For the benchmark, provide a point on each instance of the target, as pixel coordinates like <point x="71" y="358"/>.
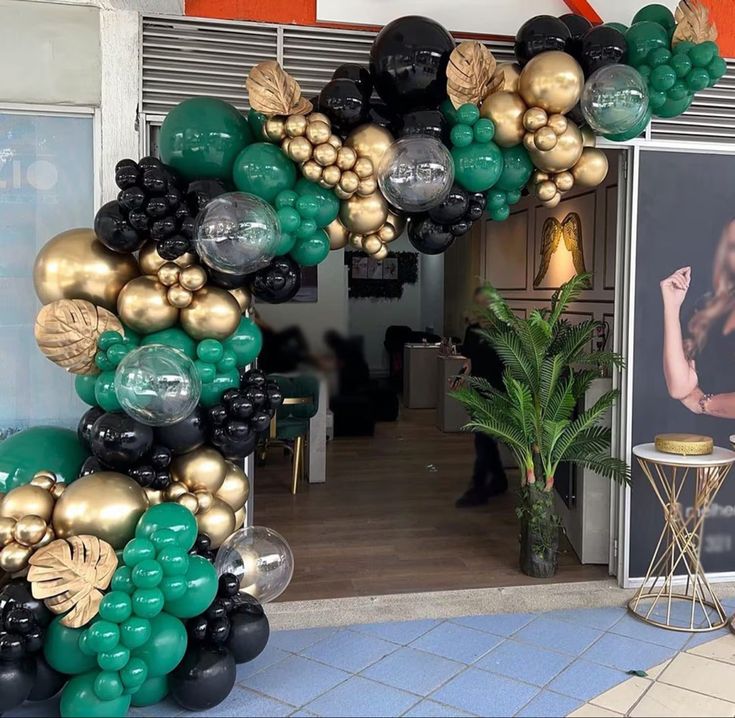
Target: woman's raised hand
<point x="674" y="288"/>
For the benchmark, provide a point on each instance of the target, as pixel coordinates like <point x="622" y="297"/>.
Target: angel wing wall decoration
<point x="570" y="230"/>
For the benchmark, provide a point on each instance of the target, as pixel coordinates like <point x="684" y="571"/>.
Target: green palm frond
<point x="566" y="294"/>
<point x="605" y="465"/>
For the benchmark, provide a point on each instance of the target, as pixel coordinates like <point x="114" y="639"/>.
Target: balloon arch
<point x="127" y="575"/>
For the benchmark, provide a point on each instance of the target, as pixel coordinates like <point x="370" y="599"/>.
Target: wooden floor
<point x="385" y="521"/>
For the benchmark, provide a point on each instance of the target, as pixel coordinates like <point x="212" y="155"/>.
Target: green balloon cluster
<point x="478" y="162"/>
<point x="263" y="170"/>
<point x="517" y="169"/>
<point x="245" y="343"/>
<point x="302" y="216"/>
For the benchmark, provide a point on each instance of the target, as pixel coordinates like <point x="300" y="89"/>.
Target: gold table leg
<point x="679" y="547"/>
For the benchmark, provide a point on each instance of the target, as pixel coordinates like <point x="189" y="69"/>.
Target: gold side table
<point x="679" y="546"/>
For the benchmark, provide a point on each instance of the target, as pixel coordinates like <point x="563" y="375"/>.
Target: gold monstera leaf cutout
<point x="67" y="331"/>
<point x="471" y="73"/>
<point x="693" y="23"/>
<point x="69" y="575"/>
<point x="272" y="91"/>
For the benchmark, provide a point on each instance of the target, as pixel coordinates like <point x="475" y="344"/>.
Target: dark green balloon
<point x="201" y="588"/>
<point x="263" y="170"/>
<point x="642" y="37"/>
<point x="633" y="132"/>
<point x="40" y="448"/>
<point x="313" y="249"/>
<point x="84" y="386"/>
<point x="256" y="121"/>
<point x="674" y="107"/>
<point x="246" y="342"/>
<point x="170" y="516"/>
<point x="62" y="652"/>
<point x="517" y="168"/>
<point x="173" y="337"/>
<point x="167" y="644"/>
<point x="154" y="690"/>
<point x="104" y="391"/>
<point x="202" y="136"/>
<point x="656" y="13"/>
<point x="212" y="391"/>
<point x="477" y="167"/>
<point x="328" y="202"/>
<point x="78" y="700"/>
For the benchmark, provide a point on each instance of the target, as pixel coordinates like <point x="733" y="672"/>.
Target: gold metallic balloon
<point x="545" y="190"/>
<point x="511" y="72"/>
<point x="564" y="181"/>
<point x="188" y="501"/>
<point x="203" y="469"/>
<point x="370" y="141"/>
<point x="387" y="233"/>
<point x="506" y="110"/>
<point x="6" y="530"/>
<point x="367" y="186"/>
<point x="346" y="158"/>
<point x="564" y="155"/>
<point x="151" y="261"/>
<point x="364" y="215"/>
<point x="143" y="306"/>
<point x="319" y="117"/>
<point x="44" y="479"/>
<point x="528" y="141"/>
<point x="204" y="500"/>
<point x="300" y="149"/>
<point x="154" y="497"/>
<point x="168" y="274"/>
<point x="337" y="233"/>
<point x="174" y="490"/>
<point x="539" y="176"/>
<point x="534" y="118"/>
<point x="179" y="297"/>
<point x="551" y="80"/>
<point x="14" y="557"/>
<point x="325" y="154"/>
<point x="398" y="222"/>
<point x="105" y="504"/>
<point x="193" y="278"/>
<point x="382" y="253"/>
<point x="236" y="487"/>
<point x="295" y="125"/>
<point x="29" y="530"/>
<point x="240" y="517"/>
<point x="74" y="265"/>
<point x="311" y="170"/>
<point x="544" y="138"/>
<point x="335" y="141"/>
<point x="213" y="314"/>
<point x="589" y="138"/>
<point x="286" y="144"/>
<point x="558" y="123"/>
<point x="218" y="522"/>
<point x="591" y="169"/>
<point x="349" y="181"/>
<point x="355" y="241"/>
<point x="242" y="297"/>
<point x="363" y="167"/>
<point x="274" y="128"/>
<point x="553" y="201"/>
<point x="331" y="175"/>
<point x="371" y="244"/>
<point x="341" y="194"/>
<point x="318" y="132"/>
<point x="25" y="500"/>
<point x="48" y="537"/>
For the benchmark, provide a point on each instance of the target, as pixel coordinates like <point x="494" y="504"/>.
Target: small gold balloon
<point x="363" y="215"/>
<point x="204" y="500"/>
<point x="57" y="490"/>
<point x="544" y="138"/>
<point x="367" y="186"/>
<point x="188" y="501"/>
<point x="539" y="176"/>
<point x="382" y="253"/>
<point x="286" y="144"/>
<point x="331" y="175"/>
<point x="529" y="142"/>
<point x="235" y="488"/>
<point x="553" y="201"/>
<point x="511" y="72"/>
<point x="218" y="522"/>
<point x="213" y="314"/>
<point x="564" y="155"/>
<point x="275" y="130"/>
<point x="29" y="530"/>
<point x="341" y="194"/>
<point x="363" y="167"/>
<point x="27" y="499"/>
<point x="337" y="233"/>
<point x="174" y="490"/>
<point x="371" y="244"/>
<point x="506" y="110"/>
<point x="240" y="517"/>
<point x="242" y="297"/>
<point x="14" y="557"/>
<point x="295" y="125"/>
<point x="325" y="154"/>
<point x="591" y="168"/>
<point x="311" y="170"/>
<point x="168" y="274"/>
<point x="74" y="265"/>
<point x="564" y="181"/>
<point x="47" y="538"/>
<point x="143" y="306"/>
<point x="44" y="480"/>
<point x="6" y="530"/>
<point x="318" y="132"/>
<point x="154" y="497"/>
<point x="398" y="222"/>
<point x="349" y="181"/>
<point x="203" y="469"/>
<point x="387" y="233"/>
<point x="151" y="261"/>
<point x="105" y="504"/>
<point x="179" y="297"/>
<point x="370" y="141"/>
<point x="355" y="241"/>
<point x="193" y="278"/>
<point x="346" y="158"/>
<point x="534" y="118"/>
<point x="299" y="150"/>
<point x="335" y="141"/>
<point x="552" y="81"/>
<point x="558" y="123"/>
<point x="545" y="190"/>
<point x="319" y="117"/>
<point x="589" y="138"/>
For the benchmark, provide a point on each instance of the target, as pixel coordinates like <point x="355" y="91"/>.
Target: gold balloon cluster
<point x="542" y="130"/>
<point x="182" y="283"/>
<point x="213" y="489"/>
<point x="25" y="520"/>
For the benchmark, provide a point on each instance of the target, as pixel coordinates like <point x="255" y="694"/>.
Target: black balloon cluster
<point x="203" y="547"/>
<point x="279" y="282"/>
<point x="244" y="414"/>
<point x="345" y="99"/>
<point x="234" y="629"/>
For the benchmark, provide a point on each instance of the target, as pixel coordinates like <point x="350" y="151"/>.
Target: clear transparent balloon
<point x="261" y="559"/>
<point x="237" y="233"/>
<point x="157" y="385"/>
<point x="416" y="173"/>
<point x="614" y="99"/>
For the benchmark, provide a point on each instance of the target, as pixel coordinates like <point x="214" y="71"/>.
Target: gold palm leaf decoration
<point x="67" y="331"/>
<point x="570" y="230"/>
<point x="471" y="75"/>
<point x="272" y="91"/>
<point x="693" y="23"/>
<point x="70" y="575"/>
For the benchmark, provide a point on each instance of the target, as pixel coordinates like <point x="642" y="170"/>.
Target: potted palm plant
<point x="549" y="365"/>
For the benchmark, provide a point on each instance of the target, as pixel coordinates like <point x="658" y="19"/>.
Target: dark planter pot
<point x="539" y="559"/>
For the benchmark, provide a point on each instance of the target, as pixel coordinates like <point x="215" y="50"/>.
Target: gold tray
<point x="684" y="444"/>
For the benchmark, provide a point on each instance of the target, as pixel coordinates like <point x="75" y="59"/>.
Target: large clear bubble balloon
<point x="237" y="233"/>
<point x="261" y="559"/>
<point x="157" y="385"/>
<point x="614" y="99"/>
<point x="416" y="173"/>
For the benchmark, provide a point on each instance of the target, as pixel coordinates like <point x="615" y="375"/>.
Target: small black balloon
<point x="226" y="281"/>
<point x="113" y="230"/>
<point x="144" y="475"/>
<point x="217" y="414"/>
<point x="48" y="681"/>
<point x="540" y="34"/>
<point x="161" y="481"/>
<point x="160" y="456"/>
<point x="185" y="435"/>
<point x="453" y="207"/>
<point x="162" y="228"/>
<point x="155" y="181"/>
<point x="197" y="628"/>
<point x="238" y="430"/>
<point x="279" y="282"/>
<point x="460" y="228"/>
<point x="474" y="212"/>
<point x="34" y="640"/>
<point x="17" y="592"/>
<point x="156" y="207"/>
<point x="203" y="679"/>
<point x="578" y="26"/>
<point x="275" y="398"/>
<point x="241" y="407"/>
<point x="249" y="629"/>
<point x="380" y="114"/>
<point x="428" y="236"/>
<point x="148" y="162"/>
<point x="139" y="220"/>
<point x="344" y="103"/>
<point x="171" y="248"/>
<point x="19" y="620"/>
<point x="131" y="198"/>
<point x="478" y="198"/>
<point x="228" y="585"/>
<point x="237" y="449"/>
<point x="602" y="46"/>
<point x="84" y="428"/>
<point x="127" y="174"/>
<point x="91" y="465"/>
<point x="203" y="542"/>
<point x="119" y="441"/>
<point x="430" y="123"/>
<point x="219" y="630"/>
<point x="254" y="378"/>
<point x="358" y="74"/>
<point x="12" y="646"/>
<point x="16" y="682"/>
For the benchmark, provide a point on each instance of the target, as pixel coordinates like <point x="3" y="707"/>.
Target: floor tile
<point x="665" y="700"/>
<point x="297" y="641"/>
<point x="502" y="624"/>
<point x="456" y="642"/>
<point x="585" y="680"/>
<point x="698" y="639"/>
<point x="162" y="709"/>
<point x="485" y="694"/>
<point x="635" y="628"/>
<point x="627" y="654"/>
<point x="548" y="704"/>
<point x="654" y="672"/>
<point x="268" y="657"/>
<point x="349" y="651"/>
<point x="557" y="635"/>
<point x="242" y="702"/>
<point x="296" y="680"/>
<point x="721" y="649"/>
<point x="301" y="713"/>
<point x="600" y="618"/>
<point x="432" y="709"/>
<point x="591" y="711"/>
<point x="623" y="697"/>
<point x="703" y="675"/>
<point x="412" y="670"/>
<point x="520" y="660"/>
<point x="401" y="632"/>
<point x="361" y="697"/>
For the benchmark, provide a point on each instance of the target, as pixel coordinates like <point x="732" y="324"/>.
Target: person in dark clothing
<point x="488" y="475"/>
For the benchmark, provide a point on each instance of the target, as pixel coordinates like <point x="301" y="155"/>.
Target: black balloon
<point x="48" y="682"/>
<point x="17" y="593"/>
<point x="408" y="62"/>
<point x="424" y="122"/>
<point x="428" y="236"/>
<point x="344" y="103"/>
<point x="119" y="441"/>
<point x="576" y="116"/>
<point x="84" y="429"/>
<point x="185" y="435"/>
<point x="16" y="682"/>
<point x="113" y="230"/>
<point x="578" y="26"/>
<point x="279" y="282"/>
<point x="91" y="465"/>
<point x="602" y="46"/>
<point x="358" y="74"/>
<point x="453" y="208"/>
<point x="249" y="629"/>
<point x="540" y="34"/>
<point x="226" y="281"/>
<point x="204" y="678"/>
<point x="380" y="114"/>
<point x="461" y="227"/>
